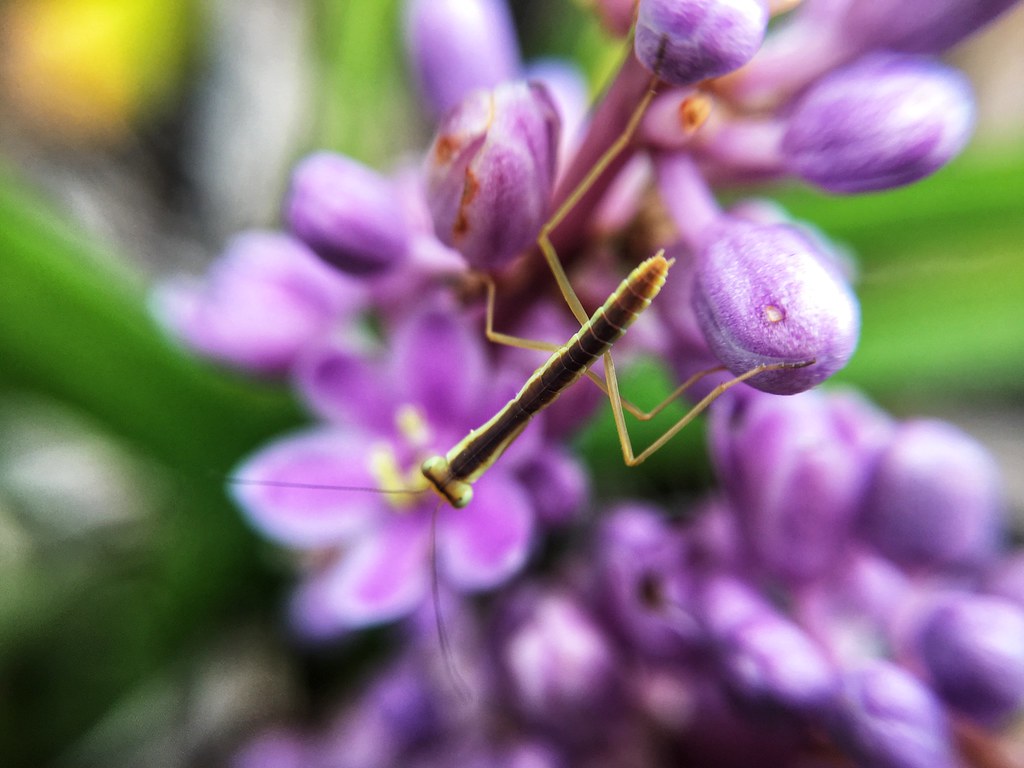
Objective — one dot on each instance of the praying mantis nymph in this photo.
(452, 475)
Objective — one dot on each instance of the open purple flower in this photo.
(387, 417)
(266, 300)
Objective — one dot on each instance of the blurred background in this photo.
(140, 621)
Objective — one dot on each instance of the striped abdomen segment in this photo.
(471, 457)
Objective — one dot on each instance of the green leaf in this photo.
(75, 330)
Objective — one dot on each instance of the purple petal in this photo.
(558, 485)
(568, 90)
(458, 46)
(383, 576)
(342, 386)
(973, 648)
(349, 215)
(772, 663)
(319, 513)
(439, 365)
(264, 301)
(487, 542)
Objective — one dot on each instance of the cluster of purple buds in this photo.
(845, 595)
(775, 622)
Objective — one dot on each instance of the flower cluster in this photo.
(844, 595)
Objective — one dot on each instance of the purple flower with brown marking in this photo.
(490, 171)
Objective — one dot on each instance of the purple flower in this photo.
(768, 662)
(643, 582)
(888, 719)
(881, 122)
(276, 748)
(1006, 578)
(266, 300)
(562, 669)
(973, 649)
(934, 500)
(765, 294)
(732, 633)
(796, 472)
(350, 216)
(920, 26)
(686, 41)
(458, 46)
(490, 171)
(388, 417)
(822, 35)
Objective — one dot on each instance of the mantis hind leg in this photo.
(631, 458)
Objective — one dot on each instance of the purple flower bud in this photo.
(934, 499)
(882, 122)
(767, 661)
(765, 294)
(458, 46)
(266, 299)
(642, 581)
(349, 215)
(401, 708)
(686, 41)
(887, 719)
(557, 483)
(973, 648)
(925, 26)
(770, 663)
(796, 476)
(490, 172)
(1007, 578)
(561, 667)
(276, 748)
(567, 88)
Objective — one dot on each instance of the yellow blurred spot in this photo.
(412, 426)
(85, 69)
(389, 477)
(694, 112)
